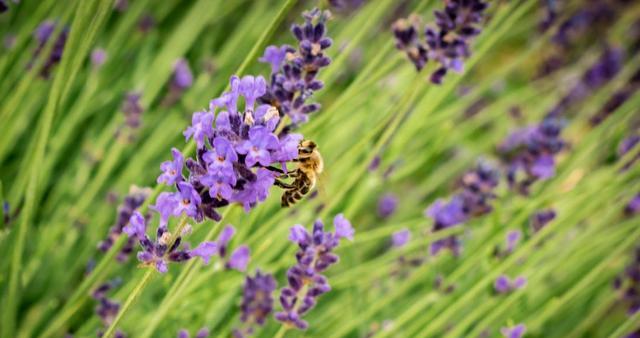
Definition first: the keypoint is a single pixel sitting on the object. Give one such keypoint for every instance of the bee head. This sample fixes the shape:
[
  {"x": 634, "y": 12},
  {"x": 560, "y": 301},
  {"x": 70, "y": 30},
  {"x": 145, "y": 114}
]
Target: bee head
[{"x": 306, "y": 147}]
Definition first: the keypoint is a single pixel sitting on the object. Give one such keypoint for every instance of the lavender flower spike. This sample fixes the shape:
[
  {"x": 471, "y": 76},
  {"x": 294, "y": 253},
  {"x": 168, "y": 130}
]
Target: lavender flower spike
[
  {"x": 257, "y": 302},
  {"x": 202, "y": 333},
  {"x": 448, "y": 43},
  {"x": 294, "y": 70},
  {"x": 504, "y": 284},
  {"x": 387, "y": 205},
  {"x": 305, "y": 279},
  {"x": 514, "y": 331},
  {"x": 132, "y": 201},
  {"x": 400, "y": 238}
]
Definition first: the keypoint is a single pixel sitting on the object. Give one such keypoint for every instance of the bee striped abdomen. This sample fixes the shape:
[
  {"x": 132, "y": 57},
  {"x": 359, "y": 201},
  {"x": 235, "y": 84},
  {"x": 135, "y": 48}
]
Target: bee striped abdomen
[{"x": 301, "y": 186}]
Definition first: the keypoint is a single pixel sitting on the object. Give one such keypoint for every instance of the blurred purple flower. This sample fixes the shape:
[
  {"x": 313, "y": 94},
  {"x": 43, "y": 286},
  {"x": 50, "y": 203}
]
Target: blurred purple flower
[
  {"x": 504, "y": 284},
  {"x": 541, "y": 218},
  {"x": 257, "y": 298},
  {"x": 98, "y": 57},
  {"x": 400, "y": 238},
  {"x": 305, "y": 279},
  {"x": 514, "y": 331},
  {"x": 387, "y": 205}
]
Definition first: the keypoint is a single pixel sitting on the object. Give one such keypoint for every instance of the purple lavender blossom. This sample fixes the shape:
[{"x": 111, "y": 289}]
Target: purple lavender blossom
[
  {"x": 504, "y": 284},
  {"x": 107, "y": 309},
  {"x": 530, "y": 152},
  {"x": 633, "y": 206},
  {"x": 447, "y": 43},
  {"x": 239, "y": 259},
  {"x": 132, "y": 109},
  {"x": 541, "y": 218},
  {"x": 305, "y": 279},
  {"x": 172, "y": 170},
  {"x": 132, "y": 201},
  {"x": 202, "y": 333},
  {"x": 201, "y": 128},
  {"x": 512, "y": 240},
  {"x": 473, "y": 200},
  {"x": 617, "y": 99},
  {"x": 627, "y": 144},
  {"x": 181, "y": 81},
  {"x": 294, "y": 71},
  {"x": 98, "y": 57},
  {"x": 400, "y": 238},
  {"x": 606, "y": 67},
  {"x": 257, "y": 302},
  {"x": 406, "y": 33},
  {"x": 234, "y": 160},
  {"x": 275, "y": 56},
  {"x": 3, "y": 6},
  {"x": 42, "y": 34},
  {"x": 514, "y": 331},
  {"x": 146, "y": 23},
  {"x": 627, "y": 284},
  {"x": 182, "y": 76},
  {"x": 156, "y": 253},
  {"x": 387, "y": 205}
]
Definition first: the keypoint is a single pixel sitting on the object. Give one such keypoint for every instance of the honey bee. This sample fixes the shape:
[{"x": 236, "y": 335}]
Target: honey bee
[{"x": 305, "y": 176}]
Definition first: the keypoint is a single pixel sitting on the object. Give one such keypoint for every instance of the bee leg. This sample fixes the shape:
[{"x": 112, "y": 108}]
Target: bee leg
[
  {"x": 282, "y": 184},
  {"x": 278, "y": 170}
]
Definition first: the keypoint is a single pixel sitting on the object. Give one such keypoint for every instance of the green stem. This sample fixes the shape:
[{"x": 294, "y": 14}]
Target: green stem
[
  {"x": 135, "y": 294},
  {"x": 81, "y": 22},
  {"x": 282, "y": 331}
]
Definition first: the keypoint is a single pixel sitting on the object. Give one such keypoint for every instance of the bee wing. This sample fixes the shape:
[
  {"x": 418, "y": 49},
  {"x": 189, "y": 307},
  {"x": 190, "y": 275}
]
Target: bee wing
[{"x": 321, "y": 186}]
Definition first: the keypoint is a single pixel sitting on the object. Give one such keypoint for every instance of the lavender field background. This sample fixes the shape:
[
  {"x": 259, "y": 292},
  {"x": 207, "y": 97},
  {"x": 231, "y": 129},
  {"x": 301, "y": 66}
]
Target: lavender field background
[{"x": 480, "y": 174}]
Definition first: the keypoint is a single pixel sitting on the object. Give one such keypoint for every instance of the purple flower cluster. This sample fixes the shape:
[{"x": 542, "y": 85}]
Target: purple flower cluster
[
  {"x": 473, "y": 200},
  {"x": 305, "y": 279},
  {"x": 234, "y": 160},
  {"x": 132, "y": 201},
  {"x": 448, "y": 43},
  {"x": 530, "y": 152},
  {"x": 3, "y": 6},
  {"x": 626, "y": 145},
  {"x": 633, "y": 206},
  {"x": 132, "y": 109},
  {"x": 238, "y": 259},
  {"x": 516, "y": 331},
  {"x": 504, "y": 284},
  {"x": 181, "y": 81},
  {"x": 617, "y": 99},
  {"x": 107, "y": 309},
  {"x": 166, "y": 249},
  {"x": 42, "y": 34},
  {"x": 257, "y": 302},
  {"x": 294, "y": 71},
  {"x": 628, "y": 284},
  {"x": 604, "y": 69},
  {"x": 202, "y": 333},
  {"x": 541, "y": 218}
]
